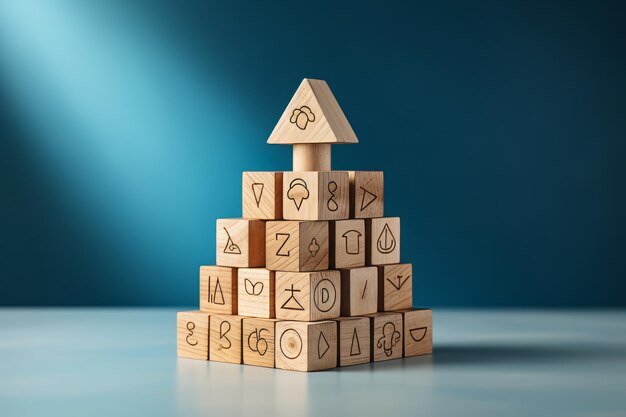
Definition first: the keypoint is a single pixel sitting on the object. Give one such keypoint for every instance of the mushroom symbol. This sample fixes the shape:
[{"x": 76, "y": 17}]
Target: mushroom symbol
[
  {"x": 389, "y": 339},
  {"x": 302, "y": 116},
  {"x": 298, "y": 192}
]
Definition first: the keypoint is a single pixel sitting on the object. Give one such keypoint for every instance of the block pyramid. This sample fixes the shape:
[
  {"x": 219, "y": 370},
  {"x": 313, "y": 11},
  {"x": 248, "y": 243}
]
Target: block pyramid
[{"x": 310, "y": 277}]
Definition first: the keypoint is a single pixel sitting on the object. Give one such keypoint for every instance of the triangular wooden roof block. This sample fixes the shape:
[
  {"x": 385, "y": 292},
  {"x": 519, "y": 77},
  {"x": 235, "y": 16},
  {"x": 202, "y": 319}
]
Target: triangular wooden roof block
[{"x": 313, "y": 116}]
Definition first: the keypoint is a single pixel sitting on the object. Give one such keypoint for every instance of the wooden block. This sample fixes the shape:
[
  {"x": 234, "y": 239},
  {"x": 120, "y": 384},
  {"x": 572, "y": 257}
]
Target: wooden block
[
  {"x": 297, "y": 246},
  {"x": 218, "y": 289},
  {"x": 316, "y": 195},
  {"x": 225, "y": 341},
  {"x": 386, "y": 330},
  {"x": 418, "y": 331},
  {"x": 367, "y": 197},
  {"x": 313, "y": 116},
  {"x": 240, "y": 243},
  {"x": 359, "y": 291},
  {"x": 262, "y": 195},
  {"x": 382, "y": 241},
  {"x": 303, "y": 346},
  {"x": 354, "y": 340},
  {"x": 258, "y": 341},
  {"x": 395, "y": 287},
  {"x": 192, "y": 334},
  {"x": 347, "y": 244},
  {"x": 308, "y": 296},
  {"x": 256, "y": 292}
]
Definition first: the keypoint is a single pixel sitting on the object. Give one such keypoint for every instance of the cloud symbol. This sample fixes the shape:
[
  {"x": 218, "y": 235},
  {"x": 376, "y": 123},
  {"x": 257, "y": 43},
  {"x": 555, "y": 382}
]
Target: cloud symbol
[
  {"x": 302, "y": 116},
  {"x": 298, "y": 192}
]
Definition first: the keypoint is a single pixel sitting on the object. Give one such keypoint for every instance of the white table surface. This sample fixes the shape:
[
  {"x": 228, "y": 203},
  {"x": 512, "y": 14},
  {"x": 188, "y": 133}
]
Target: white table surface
[{"x": 122, "y": 362}]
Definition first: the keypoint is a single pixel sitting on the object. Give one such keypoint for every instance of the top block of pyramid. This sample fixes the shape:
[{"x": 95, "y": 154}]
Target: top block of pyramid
[{"x": 313, "y": 116}]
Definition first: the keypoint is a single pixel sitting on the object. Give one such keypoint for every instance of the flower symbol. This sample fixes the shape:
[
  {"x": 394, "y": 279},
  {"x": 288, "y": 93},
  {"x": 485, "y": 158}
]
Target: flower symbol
[{"x": 302, "y": 116}]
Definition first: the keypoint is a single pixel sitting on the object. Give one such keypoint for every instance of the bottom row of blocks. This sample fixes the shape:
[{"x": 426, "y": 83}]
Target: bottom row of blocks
[{"x": 304, "y": 346}]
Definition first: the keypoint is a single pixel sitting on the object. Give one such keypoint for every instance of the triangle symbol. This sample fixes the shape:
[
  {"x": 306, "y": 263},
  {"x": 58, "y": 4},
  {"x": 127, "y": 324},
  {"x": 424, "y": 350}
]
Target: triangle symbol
[
  {"x": 355, "y": 348},
  {"x": 322, "y": 346},
  {"x": 217, "y": 291},
  {"x": 257, "y": 190},
  {"x": 368, "y": 198},
  {"x": 313, "y": 116}
]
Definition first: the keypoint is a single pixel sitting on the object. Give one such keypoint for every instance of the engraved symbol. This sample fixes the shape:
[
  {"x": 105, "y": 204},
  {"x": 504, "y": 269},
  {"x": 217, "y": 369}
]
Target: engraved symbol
[
  {"x": 367, "y": 199},
  {"x": 352, "y": 239},
  {"x": 230, "y": 245},
  {"x": 302, "y": 116},
  {"x": 290, "y": 344},
  {"x": 324, "y": 295},
  {"x": 332, "y": 204},
  {"x": 364, "y": 288},
  {"x": 322, "y": 345},
  {"x": 252, "y": 288},
  {"x": 191, "y": 326},
  {"x": 355, "y": 347},
  {"x": 292, "y": 303},
  {"x": 389, "y": 339},
  {"x": 218, "y": 296},
  {"x": 314, "y": 247},
  {"x": 400, "y": 283},
  {"x": 260, "y": 344},
  {"x": 386, "y": 242},
  {"x": 280, "y": 251},
  {"x": 224, "y": 329},
  {"x": 418, "y": 333},
  {"x": 257, "y": 190},
  {"x": 298, "y": 192}
]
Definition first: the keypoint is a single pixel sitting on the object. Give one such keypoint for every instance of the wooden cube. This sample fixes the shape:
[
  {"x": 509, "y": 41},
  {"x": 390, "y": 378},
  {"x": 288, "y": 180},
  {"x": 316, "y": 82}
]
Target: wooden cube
[
  {"x": 386, "y": 330},
  {"x": 359, "y": 291},
  {"x": 256, "y": 292},
  {"x": 347, "y": 243},
  {"x": 225, "y": 341},
  {"x": 418, "y": 331},
  {"x": 303, "y": 346},
  {"x": 240, "y": 243},
  {"x": 308, "y": 296},
  {"x": 367, "y": 197},
  {"x": 316, "y": 195},
  {"x": 382, "y": 237},
  {"x": 354, "y": 340},
  {"x": 395, "y": 287},
  {"x": 262, "y": 195},
  {"x": 297, "y": 246},
  {"x": 258, "y": 341},
  {"x": 218, "y": 289},
  {"x": 192, "y": 334}
]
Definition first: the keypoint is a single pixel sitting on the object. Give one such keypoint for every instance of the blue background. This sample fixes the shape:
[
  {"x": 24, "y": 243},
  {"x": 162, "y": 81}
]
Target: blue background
[{"x": 500, "y": 127}]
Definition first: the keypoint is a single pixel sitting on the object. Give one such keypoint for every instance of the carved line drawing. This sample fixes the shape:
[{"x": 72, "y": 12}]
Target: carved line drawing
[
  {"x": 291, "y": 300},
  {"x": 364, "y": 288},
  {"x": 324, "y": 295},
  {"x": 415, "y": 331},
  {"x": 389, "y": 339},
  {"x": 230, "y": 245},
  {"x": 223, "y": 332},
  {"x": 251, "y": 288},
  {"x": 352, "y": 239},
  {"x": 355, "y": 347},
  {"x": 371, "y": 197},
  {"x": 314, "y": 247},
  {"x": 260, "y": 345},
  {"x": 331, "y": 204},
  {"x": 291, "y": 341},
  {"x": 386, "y": 241},
  {"x": 302, "y": 116},
  {"x": 217, "y": 291},
  {"x": 257, "y": 190},
  {"x": 400, "y": 283},
  {"x": 322, "y": 346},
  {"x": 191, "y": 326},
  {"x": 298, "y": 192},
  {"x": 279, "y": 251}
]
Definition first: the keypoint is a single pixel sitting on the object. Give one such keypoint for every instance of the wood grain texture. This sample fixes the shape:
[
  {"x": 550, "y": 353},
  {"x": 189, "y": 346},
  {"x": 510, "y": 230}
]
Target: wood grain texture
[
  {"x": 395, "y": 287},
  {"x": 418, "y": 331},
  {"x": 382, "y": 240},
  {"x": 313, "y": 116},
  {"x": 308, "y": 296},
  {"x": 311, "y": 157},
  {"x": 359, "y": 291},
  {"x": 303, "y": 346},
  {"x": 218, "y": 289},
  {"x": 316, "y": 195},
  {"x": 240, "y": 243},
  {"x": 354, "y": 340},
  {"x": 256, "y": 292},
  {"x": 262, "y": 195},
  {"x": 386, "y": 330},
  {"x": 259, "y": 342},
  {"x": 297, "y": 246},
  {"x": 226, "y": 338},
  {"x": 347, "y": 246},
  {"x": 192, "y": 334},
  {"x": 367, "y": 194}
]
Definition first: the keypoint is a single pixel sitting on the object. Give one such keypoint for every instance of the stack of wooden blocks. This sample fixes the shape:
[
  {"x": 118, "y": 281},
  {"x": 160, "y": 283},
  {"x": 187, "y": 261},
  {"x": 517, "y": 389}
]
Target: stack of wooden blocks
[{"x": 310, "y": 278}]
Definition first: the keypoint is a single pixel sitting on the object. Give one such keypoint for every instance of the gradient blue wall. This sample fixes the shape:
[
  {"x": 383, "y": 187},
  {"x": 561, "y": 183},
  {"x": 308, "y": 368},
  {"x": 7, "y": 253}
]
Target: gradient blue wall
[{"x": 500, "y": 127}]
